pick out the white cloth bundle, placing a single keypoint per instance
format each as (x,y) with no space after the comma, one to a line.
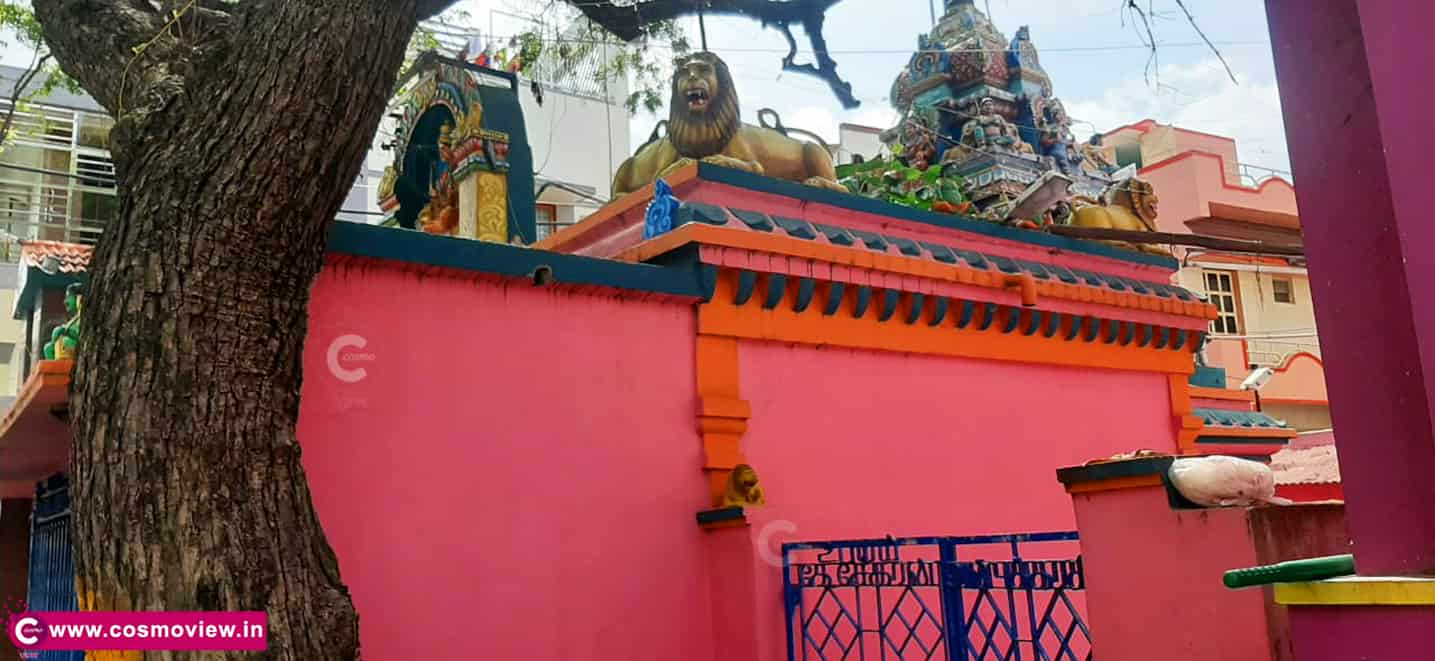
(1219,481)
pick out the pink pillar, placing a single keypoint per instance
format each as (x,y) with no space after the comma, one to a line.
(732,569)
(1354,83)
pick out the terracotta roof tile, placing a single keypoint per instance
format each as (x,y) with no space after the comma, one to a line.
(1309,440)
(1314,465)
(72,257)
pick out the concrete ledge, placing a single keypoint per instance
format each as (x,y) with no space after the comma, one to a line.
(1359,591)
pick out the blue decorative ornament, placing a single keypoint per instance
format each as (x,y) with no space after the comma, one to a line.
(661,211)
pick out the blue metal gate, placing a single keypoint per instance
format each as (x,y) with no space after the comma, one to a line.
(52,570)
(1006,597)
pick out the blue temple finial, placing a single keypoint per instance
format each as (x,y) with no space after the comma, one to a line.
(661,211)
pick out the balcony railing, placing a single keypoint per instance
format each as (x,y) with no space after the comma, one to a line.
(57,182)
(1238,353)
(1275,353)
(1255,175)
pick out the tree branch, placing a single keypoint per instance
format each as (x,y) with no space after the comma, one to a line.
(93,41)
(37,64)
(629,22)
(1217,51)
(826,68)
(430,8)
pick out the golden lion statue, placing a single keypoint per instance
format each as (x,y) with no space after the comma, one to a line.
(1125,205)
(742,488)
(703,125)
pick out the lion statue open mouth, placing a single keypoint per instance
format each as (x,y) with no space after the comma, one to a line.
(704,124)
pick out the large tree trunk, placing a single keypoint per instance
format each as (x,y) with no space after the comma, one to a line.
(240,129)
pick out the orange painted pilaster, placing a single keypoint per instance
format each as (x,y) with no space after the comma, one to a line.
(722,413)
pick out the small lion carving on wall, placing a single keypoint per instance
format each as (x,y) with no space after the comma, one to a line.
(743,489)
(704,124)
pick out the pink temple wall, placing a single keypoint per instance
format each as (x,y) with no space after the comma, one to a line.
(858,444)
(1155,574)
(516,472)
(1156,579)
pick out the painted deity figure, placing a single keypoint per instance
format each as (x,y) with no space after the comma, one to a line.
(1056,138)
(438,175)
(441,214)
(65,339)
(1093,156)
(1014,52)
(988,129)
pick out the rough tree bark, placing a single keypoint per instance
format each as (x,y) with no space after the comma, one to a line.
(240,129)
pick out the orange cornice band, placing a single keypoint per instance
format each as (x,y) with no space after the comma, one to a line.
(722,317)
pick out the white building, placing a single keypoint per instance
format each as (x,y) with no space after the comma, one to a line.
(857,140)
(57,181)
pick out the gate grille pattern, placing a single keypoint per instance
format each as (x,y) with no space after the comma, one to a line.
(52,569)
(997,597)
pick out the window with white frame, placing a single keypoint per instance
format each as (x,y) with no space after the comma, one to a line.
(1281,290)
(546,216)
(1221,291)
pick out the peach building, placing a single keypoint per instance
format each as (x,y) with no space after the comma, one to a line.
(1267,319)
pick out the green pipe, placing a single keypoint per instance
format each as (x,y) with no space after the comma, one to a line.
(1294,571)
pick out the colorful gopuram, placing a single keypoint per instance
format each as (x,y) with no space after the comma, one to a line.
(984,109)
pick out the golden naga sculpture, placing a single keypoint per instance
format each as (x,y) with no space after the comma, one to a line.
(1126,205)
(742,488)
(386,184)
(703,124)
(472,123)
(441,215)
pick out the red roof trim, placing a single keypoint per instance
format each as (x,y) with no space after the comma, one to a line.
(1286,364)
(1142,126)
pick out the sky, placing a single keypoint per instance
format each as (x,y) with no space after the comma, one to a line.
(1097,65)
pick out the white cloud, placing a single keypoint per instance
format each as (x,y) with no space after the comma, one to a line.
(1198,97)
(823,122)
